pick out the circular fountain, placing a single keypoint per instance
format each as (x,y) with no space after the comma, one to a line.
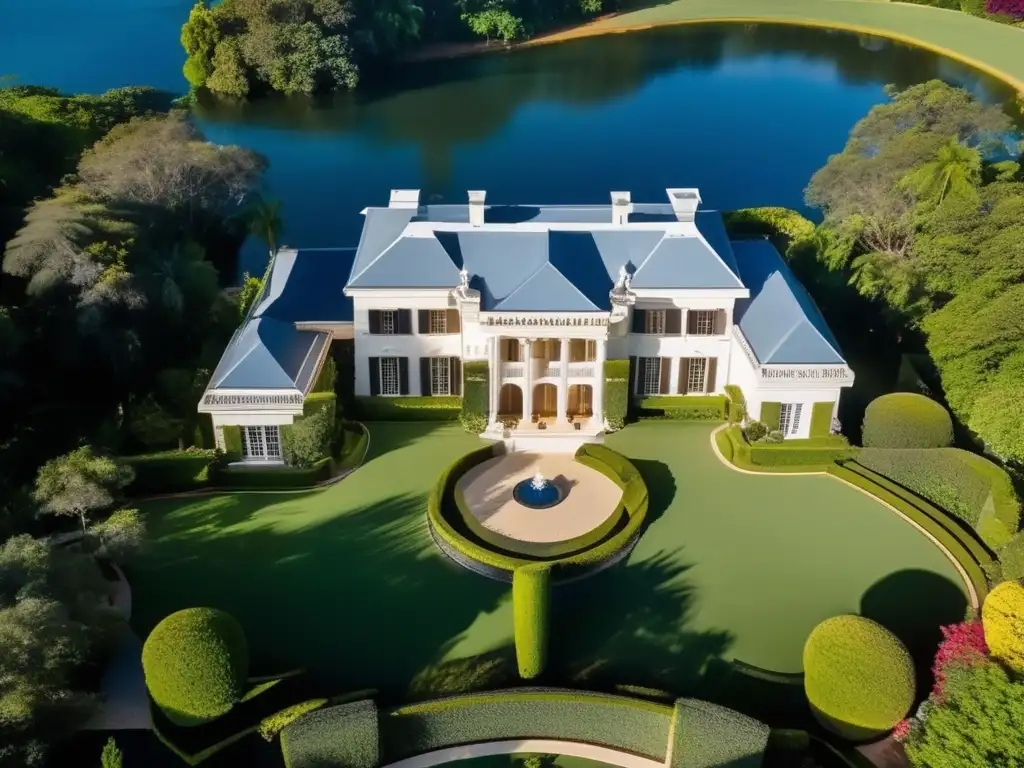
(537,492)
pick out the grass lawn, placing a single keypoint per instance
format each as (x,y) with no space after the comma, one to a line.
(997,48)
(348,583)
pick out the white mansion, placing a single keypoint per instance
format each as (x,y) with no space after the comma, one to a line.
(545,294)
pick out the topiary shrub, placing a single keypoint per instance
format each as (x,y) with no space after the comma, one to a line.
(476,398)
(906,420)
(858,677)
(756,431)
(1002,615)
(196,662)
(616,393)
(531,589)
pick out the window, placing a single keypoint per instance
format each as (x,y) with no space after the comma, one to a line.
(389,383)
(651,383)
(654,321)
(389,322)
(696,374)
(702,322)
(440,376)
(261,443)
(789,418)
(511,351)
(582,351)
(438,321)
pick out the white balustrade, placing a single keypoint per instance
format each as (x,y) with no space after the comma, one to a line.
(550,371)
(513,370)
(581,370)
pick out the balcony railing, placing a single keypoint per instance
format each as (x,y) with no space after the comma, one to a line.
(582,370)
(549,371)
(513,370)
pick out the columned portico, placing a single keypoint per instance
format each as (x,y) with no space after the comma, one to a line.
(527,346)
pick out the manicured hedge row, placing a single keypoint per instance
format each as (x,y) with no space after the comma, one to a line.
(792,455)
(705,735)
(409,408)
(531,592)
(684,407)
(737,403)
(616,392)
(1000,517)
(345,735)
(476,396)
(640,727)
(169,471)
(968,550)
(274,478)
(906,420)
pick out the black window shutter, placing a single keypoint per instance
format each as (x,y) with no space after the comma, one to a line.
(634,373)
(374,321)
(691,322)
(719,322)
(455,375)
(684,376)
(375,374)
(639,316)
(405,321)
(403,375)
(424,320)
(674,322)
(666,375)
(425,376)
(712,373)
(454,321)
(641,374)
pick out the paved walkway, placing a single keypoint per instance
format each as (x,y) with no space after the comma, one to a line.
(529,746)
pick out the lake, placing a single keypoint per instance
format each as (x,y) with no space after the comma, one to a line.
(746,113)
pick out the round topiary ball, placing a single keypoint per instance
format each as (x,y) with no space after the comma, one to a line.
(906,420)
(196,662)
(859,678)
(1002,616)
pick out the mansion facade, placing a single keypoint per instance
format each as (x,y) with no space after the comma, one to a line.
(544,295)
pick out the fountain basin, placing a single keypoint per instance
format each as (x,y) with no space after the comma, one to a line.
(536,495)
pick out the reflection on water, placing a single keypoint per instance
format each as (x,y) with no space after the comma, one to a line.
(745,112)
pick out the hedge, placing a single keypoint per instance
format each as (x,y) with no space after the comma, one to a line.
(821,419)
(632,725)
(232,442)
(616,393)
(790,456)
(906,420)
(1002,615)
(345,735)
(705,735)
(858,677)
(770,415)
(476,396)
(316,400)
(737,403)
(409,408)
(684,407)
(169,471)
(966,548)
(531,592)
(272,725)
(966,485)
(195,663)
(274,478)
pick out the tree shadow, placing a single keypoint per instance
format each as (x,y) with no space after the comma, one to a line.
(661,487)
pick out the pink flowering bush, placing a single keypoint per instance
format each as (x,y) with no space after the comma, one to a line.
(901,731)
(1006,7)
(962,644)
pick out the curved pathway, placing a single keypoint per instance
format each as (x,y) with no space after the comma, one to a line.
(997,49)
(533,746)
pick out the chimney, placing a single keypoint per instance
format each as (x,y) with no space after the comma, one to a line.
(684,203)
(476,206)
(621,208)
(404,198)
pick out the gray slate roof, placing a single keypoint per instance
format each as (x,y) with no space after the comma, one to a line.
(780,320)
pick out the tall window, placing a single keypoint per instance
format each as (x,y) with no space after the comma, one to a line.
(582,351)
(261,443)
(389,383)
(440,376)
(696,374)
(789,418)
(511,351)
(702,322)
(654,321)
(389,322)
(438,321)
(651,383)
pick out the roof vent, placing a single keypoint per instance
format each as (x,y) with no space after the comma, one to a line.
(476,206)
(621,208)
(684,203)
(404,198)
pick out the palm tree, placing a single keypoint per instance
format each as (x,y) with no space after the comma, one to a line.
(954,172)
(263,220)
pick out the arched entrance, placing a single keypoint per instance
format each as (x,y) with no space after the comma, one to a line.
(581,400)
(510,401)
(545,400)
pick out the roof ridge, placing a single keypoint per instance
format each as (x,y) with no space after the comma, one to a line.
(241,332)
(352,278)
(530,277)
(730,270)
(650,253)
(570,282)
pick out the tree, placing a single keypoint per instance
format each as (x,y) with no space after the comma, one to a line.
(79,483)
(264,220)
(199,37)
(111,757)
(250,291)
(120,536)
(955,171)
(498,21)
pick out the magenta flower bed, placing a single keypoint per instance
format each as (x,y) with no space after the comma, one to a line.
(961,644)
(1006,7)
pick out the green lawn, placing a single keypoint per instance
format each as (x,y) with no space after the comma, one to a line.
(995,47)
(347,581)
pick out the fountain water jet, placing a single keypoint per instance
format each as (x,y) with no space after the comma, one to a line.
(537,492)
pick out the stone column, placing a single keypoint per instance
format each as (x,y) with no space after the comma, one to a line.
(598,382)
(494,378)
(527,346)
(563,384)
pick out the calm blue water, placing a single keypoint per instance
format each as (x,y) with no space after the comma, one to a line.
(745,113)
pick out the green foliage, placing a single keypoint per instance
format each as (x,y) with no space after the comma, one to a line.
(821,419)
(1002,615)
(442,408)
(273,724)
(232,442)
(79,483)
(976,725)
(706,735)
(859,678)
(684,407)
(786,228)
(346,734)
(737,403)
(169,471)
(531,592)
(495,21)
(274,478)
(196,663)
(1010,562)
(616,393)
(791,455)
(756,431)
(954,171)
(152,425)
(111,756)
(264,220)
(476,397)
(251,289)
(325,379)
(770,415)
(906,420)
(120,536)
(308,440)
